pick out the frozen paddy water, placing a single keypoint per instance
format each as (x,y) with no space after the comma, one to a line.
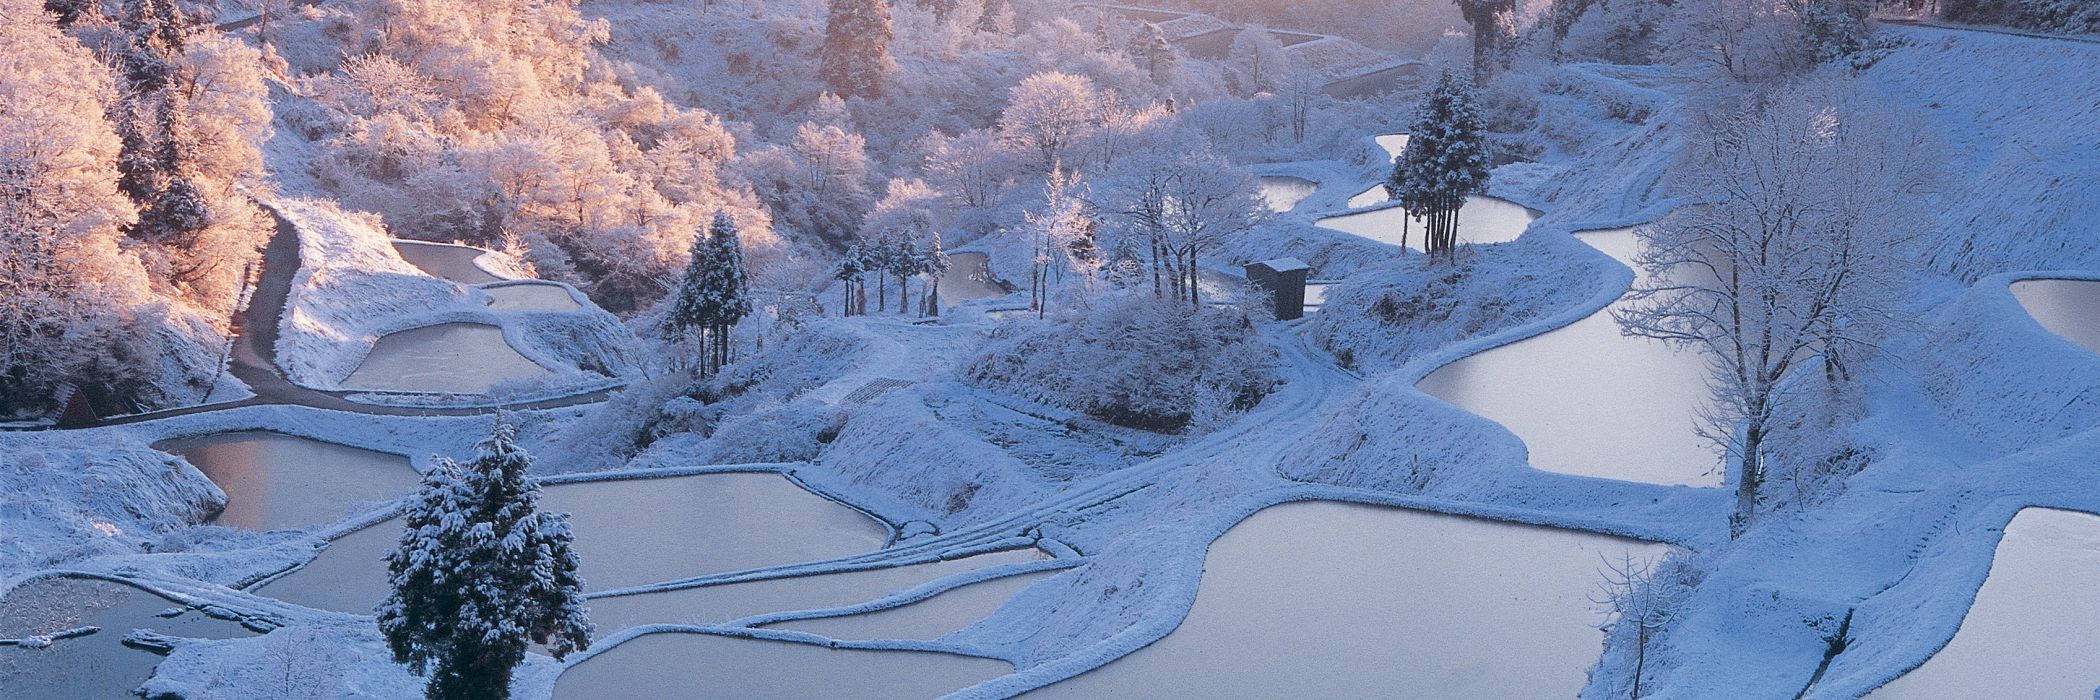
(97,666)
(1481,220)
(530,296)
(1283,193)
(969,278)
(450,358)
(628,532)
(445,261)
(2035,623)
(2069,308)
(679,666)
(277,481)
(1587,399)
(1329,599)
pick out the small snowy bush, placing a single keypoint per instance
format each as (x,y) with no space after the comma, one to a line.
(1133,360)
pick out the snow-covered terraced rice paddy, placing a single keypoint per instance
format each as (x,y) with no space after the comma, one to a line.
(450,358)
(928,619)
(446,261)
(722,603)
(1587,399)
(680,666)
(2035,624)
(1321,599)
(2069,308)
(629,532)
(1481,220)
(97,666)
(530,296)
(1393,144)
(1283,193)
(276,481)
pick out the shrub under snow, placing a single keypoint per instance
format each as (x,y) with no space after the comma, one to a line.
(1134,360)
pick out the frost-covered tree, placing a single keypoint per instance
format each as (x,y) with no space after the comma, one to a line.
(1049,114)
(1494,25)
(73,303)
(1183,204)
(1445,162)
(480,574)
(713,297)
(1795,256)
(937,264)
(1052,232)
(1258,61)
(849,272)
(856,53)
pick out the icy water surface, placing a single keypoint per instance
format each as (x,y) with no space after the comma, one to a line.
(681,666)
(1323,599)
(530,296)
(276,481)
(1587,399)
(629,533)
(452,358)
(969,278)
(2036,622)
(931,618)
(2069,308)
(450,262)
(723,603)
(1481,220)
(1283,193)
(97,666)
(1393,144)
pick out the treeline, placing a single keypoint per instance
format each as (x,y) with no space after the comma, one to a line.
(126,237)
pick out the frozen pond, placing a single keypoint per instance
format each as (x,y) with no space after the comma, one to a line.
(1393,144)
(931,618)
(679,666)
(445,261)
(723,603)
(629,533)
(277,481)
(451,358)
(97,666)
(2069,308)
(2035,626)
(530,296)
(1283,193)
(1587,399)
(1323,599)
(969,278)
(1481,220)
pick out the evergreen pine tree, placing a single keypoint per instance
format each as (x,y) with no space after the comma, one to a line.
(847,271)
(936,258)
(480,575)
(155,36)
(693,308)
(1446,161)
(856,52)
(729,295)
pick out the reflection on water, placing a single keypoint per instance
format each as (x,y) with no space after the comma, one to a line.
(1282,193)
(681,666)
(2035,624)
(1587,399)
(454,358)
(1481,220)
(1329,600)
(97,666)
(931,618)
(723,603)
(2069,308)
(1393,144)
(969,278)
(530,297)
(628,533)
(276,481)
(449,262)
